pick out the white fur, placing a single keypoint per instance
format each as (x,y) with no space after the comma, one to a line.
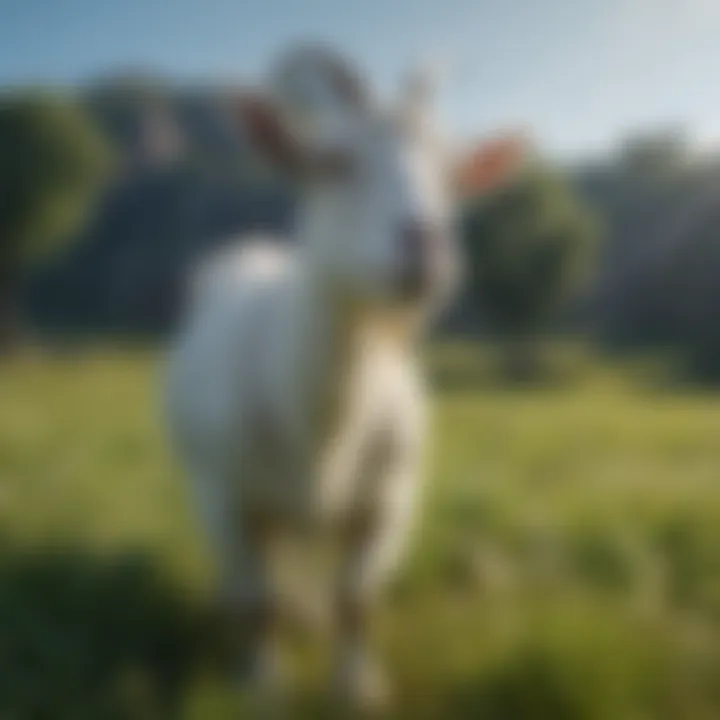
(294,394)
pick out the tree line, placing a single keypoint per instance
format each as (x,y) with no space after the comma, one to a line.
(106,197)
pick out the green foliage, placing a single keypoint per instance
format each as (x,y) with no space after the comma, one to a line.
(52,160)
(527,247)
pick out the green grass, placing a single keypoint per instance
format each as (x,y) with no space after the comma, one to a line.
(567,564)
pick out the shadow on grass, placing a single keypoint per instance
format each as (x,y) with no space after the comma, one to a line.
(84,636)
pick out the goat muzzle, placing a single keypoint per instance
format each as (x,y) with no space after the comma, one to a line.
(420,248)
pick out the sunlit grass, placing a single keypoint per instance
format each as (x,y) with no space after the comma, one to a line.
(567,564)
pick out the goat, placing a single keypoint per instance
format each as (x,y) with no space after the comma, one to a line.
(294,396)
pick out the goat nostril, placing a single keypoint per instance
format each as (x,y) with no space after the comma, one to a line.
(410,242)
(416,250)
(415,239)
(420,242)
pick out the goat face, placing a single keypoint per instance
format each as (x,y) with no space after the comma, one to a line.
(375,210)
(378,216)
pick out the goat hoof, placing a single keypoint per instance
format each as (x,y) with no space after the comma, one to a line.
(362,691)
(262,683)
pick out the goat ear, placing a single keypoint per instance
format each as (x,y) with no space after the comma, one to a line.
(418,92)
(262,122)
(489,166)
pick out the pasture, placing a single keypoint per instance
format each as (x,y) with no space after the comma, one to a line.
(567,565)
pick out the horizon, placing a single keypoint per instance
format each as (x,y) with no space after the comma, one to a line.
(577,78)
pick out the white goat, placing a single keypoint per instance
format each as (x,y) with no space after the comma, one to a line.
(294,397)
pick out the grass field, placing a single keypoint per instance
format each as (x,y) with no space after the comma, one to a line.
(567,566)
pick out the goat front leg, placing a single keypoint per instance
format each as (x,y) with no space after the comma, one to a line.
(255,608)
(246,610)
(373,543)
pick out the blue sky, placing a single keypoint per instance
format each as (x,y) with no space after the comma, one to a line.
(577,73)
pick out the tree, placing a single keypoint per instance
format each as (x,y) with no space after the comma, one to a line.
(52,161)
(527,247)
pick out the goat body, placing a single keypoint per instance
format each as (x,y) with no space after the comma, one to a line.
(285,407)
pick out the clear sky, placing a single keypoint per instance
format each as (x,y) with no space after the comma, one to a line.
(577,73)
